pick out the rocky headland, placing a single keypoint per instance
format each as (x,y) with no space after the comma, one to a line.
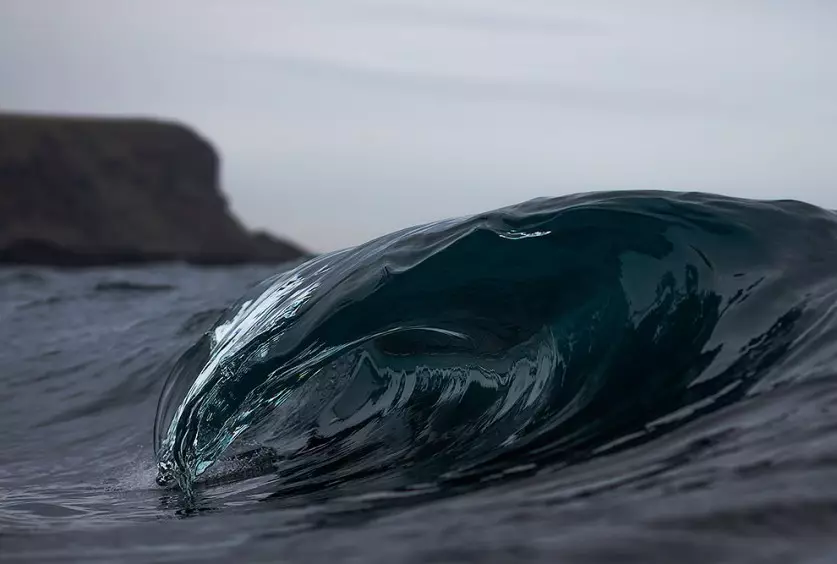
(101,191)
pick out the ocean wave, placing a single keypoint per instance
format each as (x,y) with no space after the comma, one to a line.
(480,349)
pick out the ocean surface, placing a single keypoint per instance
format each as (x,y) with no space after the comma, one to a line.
(614,377)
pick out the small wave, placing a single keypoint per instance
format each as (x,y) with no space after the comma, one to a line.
(480,349)
(130,286)
(15,277)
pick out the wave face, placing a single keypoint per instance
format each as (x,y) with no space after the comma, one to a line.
(472,350)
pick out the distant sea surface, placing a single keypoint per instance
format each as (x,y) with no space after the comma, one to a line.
(613,377)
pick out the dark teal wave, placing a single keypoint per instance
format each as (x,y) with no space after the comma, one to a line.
(528,337)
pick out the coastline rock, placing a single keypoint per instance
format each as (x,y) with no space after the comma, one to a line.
(100,191)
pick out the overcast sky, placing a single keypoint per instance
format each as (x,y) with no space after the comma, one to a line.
(340,120)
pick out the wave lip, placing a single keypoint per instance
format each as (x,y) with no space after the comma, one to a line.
(530,337)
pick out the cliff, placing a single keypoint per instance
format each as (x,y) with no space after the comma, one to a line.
(104,191)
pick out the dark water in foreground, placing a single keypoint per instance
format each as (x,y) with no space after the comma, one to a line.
(616,377)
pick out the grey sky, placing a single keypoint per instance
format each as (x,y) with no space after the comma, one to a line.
(340,120)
